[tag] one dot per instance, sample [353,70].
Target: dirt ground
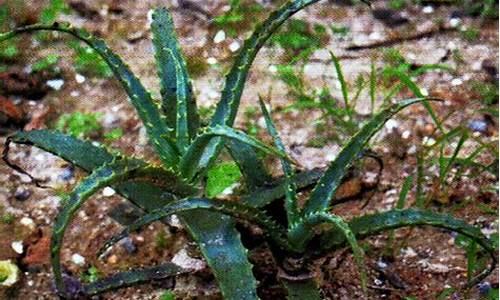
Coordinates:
[420,262]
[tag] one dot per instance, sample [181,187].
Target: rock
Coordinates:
[38,253]
[22,193]
[113,259]
[183,260]
[478,125]
[128,244]
[220,36]
[10,114]
[55,84]
[389,17]
[108,192]
[349,189]
[68,173]
[77,259]
[17,246]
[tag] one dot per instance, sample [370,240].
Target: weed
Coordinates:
[78,124]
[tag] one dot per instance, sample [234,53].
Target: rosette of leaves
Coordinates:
[187,152]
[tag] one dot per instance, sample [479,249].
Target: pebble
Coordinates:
[457,82]
[78,259]
[22,193]
[234,46]
[478,125]
[428,9]
[220,36]
[128,245]
[391,124]
[454,22]
[80,78]
[406,134]
[18,247]
[484,287]
[183,260]
[273,69]
[68,173]
[55,84]
[108,192]
[211,60]
[113,259]
[28,222]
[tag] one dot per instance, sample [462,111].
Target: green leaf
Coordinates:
[178,101]
[375,223]
[290,191]
[146,108]
[117,170]
[195,153]
[301,290]
[299,235]
[128,278]
[328,184]
[343,83]
[220,177]
[232,208]
[250,164]
[229,263]
[227,107]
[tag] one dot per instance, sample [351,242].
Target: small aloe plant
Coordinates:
[187,151]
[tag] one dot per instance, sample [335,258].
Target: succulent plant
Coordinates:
[187,151]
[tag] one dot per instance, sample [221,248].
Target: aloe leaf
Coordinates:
[227,107]
[195,151]
[277,189]
[118,170]
[290,193]
[128,278]
[299,235]
[300,290]
[328,184]
[178,102]
[375,223]
[234,209]
[228,261]
[147,109]
[250,164]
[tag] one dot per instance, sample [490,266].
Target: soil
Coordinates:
[419,262]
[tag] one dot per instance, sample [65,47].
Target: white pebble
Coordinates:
[18,247]
[108,192]
[55,84]
[406,134]
[454,22]
[456,82]
[78,259]
[211,60]
[375,35]
[424,92]
[27,222]
[428,141]
[79,78]
[273,69]
[391,124]
[75,93]
[428,10]
[220,36]
[234,46]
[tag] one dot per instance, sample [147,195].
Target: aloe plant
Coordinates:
[187,152]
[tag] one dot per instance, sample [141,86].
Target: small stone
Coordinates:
[391,124]
[38,253]
[68,173]
[80,78]
[28,222]
[77,259]
[273,69]
[220,36]
[22,193]
[55,84]
[478,125]
[484,287]
[113,259]
[428,141]
[211,60]
[183,260]
[457,82]
[406,134]
[18,247]
[128,245]
[234,46]
[454,22]
[428,9]
[108,192]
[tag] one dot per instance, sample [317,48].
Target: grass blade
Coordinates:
[177,100]
[147,109]
[343,83]
[373,224]
[328,184]
[290,192]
